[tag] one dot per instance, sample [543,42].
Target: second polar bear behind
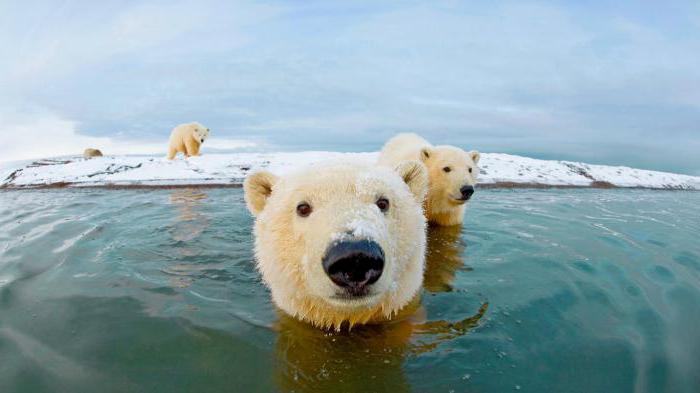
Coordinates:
[186,139]
[452,174]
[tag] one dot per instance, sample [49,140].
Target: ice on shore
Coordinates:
[231,168]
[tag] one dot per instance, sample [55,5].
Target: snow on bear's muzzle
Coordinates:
[354,265]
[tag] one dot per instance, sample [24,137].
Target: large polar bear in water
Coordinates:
[186,139]
[340,244]
[452,174]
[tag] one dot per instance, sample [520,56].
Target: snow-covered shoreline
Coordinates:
[226,170]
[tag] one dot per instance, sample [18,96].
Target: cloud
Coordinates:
[55,40]
[528,77]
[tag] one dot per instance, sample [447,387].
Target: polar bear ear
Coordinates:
[474,155]
[257,188]
[425,153]
[415,175]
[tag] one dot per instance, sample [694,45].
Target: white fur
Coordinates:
[442,205]
[187,139]
[290,248]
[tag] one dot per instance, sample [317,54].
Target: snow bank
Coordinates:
[230,169]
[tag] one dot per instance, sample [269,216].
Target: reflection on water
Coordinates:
[188,226]
[558,290]
[369,357]
[190,222]
[444,257]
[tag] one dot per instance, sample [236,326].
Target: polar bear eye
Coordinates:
[470,170]
[304,209]
[383,204]
[447,169]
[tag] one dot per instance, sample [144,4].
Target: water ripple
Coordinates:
[602,281]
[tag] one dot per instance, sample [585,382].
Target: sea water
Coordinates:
[156,291]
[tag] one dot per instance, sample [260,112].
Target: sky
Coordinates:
[610,82]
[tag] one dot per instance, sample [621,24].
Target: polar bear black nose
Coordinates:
[467,192]
[354,265]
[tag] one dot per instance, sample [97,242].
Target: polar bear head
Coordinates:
[453,174]
[199,132]
[340,243]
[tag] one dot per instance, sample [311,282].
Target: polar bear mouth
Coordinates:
[345,300]
[458,201]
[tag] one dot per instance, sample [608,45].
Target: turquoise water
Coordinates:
[155,291]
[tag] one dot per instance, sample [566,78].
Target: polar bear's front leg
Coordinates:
[172,152]
[195,145]
[191,148]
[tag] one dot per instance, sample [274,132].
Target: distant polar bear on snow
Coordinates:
[452,174]
[186,139]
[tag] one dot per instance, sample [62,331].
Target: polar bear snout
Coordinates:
[466,192]
[354,265]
